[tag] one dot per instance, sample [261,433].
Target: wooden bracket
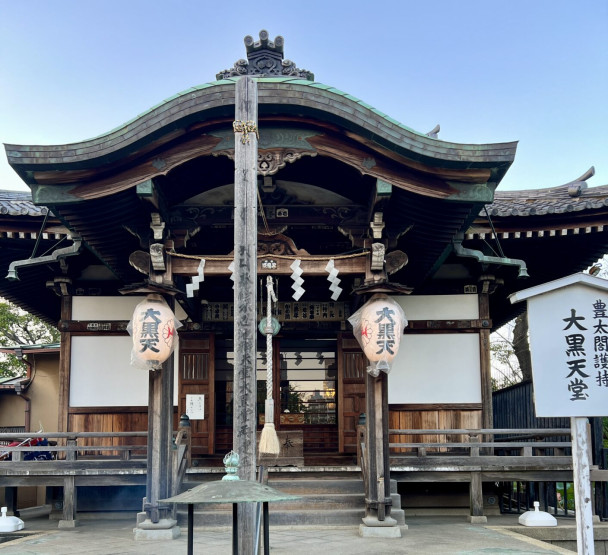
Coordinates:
[377,259]
[377,225]
[157,257]
[157,226]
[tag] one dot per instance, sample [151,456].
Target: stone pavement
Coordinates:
[432,535]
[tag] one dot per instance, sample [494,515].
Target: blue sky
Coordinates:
[487,71]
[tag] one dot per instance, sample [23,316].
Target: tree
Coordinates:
[17,328]
[505,365]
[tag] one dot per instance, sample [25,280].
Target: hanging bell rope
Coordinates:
[269,441]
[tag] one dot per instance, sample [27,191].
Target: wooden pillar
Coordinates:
[65,356]
[476,498]
[245,273]
[70,497]
[378,494]
[487,415]
[160,430]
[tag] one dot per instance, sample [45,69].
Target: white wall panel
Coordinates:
[102,376]
[438,368]
[439,307]
[110,308]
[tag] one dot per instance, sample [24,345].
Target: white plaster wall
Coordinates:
[101,374]
[110,308]
[439,307]
[438,368]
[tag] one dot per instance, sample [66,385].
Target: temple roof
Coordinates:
[426,192]
[289,100]
[575,196]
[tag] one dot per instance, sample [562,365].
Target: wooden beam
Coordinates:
[311,266]
[417,326]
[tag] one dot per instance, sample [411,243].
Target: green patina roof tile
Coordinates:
[317,85]
[337,91]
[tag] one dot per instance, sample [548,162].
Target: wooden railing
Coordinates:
[480,442]
[483,455]
[108,444]
[86,459]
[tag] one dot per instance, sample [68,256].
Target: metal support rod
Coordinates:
[235,529]
[190,528]
[266,529]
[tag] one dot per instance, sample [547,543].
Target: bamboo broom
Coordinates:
[269,441]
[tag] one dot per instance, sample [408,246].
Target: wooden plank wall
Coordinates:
[402,417]
[513,407]
[109,419]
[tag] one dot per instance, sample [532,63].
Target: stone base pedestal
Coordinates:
[374,528]
[477,519]
[164,529]
[68,523]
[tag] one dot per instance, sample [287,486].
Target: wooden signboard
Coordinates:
[291,453]
[568,322]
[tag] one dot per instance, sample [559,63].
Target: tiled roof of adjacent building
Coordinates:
[571,197]
[19,203]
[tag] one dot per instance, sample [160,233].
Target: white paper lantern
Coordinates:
[153,330]
[378,327]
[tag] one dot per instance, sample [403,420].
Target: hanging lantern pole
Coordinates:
[378,327]
[269,441]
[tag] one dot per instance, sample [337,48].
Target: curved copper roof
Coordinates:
[285,97]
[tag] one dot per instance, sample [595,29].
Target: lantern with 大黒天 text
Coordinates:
[378,327]
[153,331]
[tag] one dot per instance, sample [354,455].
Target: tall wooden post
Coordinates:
[487,417]
[156,521]
[582,486]
[245,272]
[160,428]
[65,365]
[378,521]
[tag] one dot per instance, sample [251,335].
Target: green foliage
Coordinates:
[295,401]
[505,367]
[18,327]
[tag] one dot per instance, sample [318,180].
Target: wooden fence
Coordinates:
[86,459]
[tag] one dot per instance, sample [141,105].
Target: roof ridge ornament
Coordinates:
[265,59]
[576,187]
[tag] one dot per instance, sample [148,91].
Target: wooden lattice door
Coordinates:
[197,377]
[351,391]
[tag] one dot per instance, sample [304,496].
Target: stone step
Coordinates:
[320,502]
[332,500]
[278,517]
[312,486]
[321,485]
